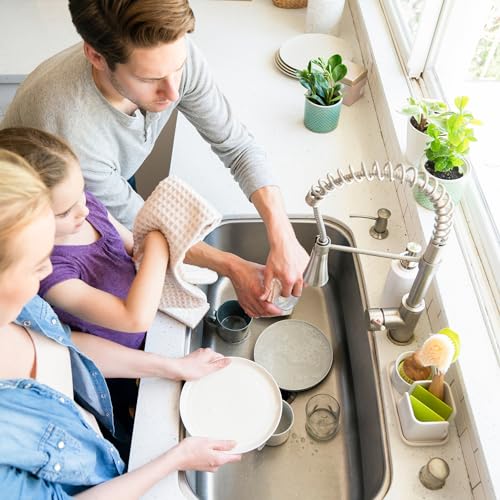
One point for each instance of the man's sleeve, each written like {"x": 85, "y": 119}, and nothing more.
{"x": 208, "y": 110}
{"x": 106, "y": 184}
{"x": 19, "y": 484}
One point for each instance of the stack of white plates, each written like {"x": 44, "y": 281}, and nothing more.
{"x": 295, "y": 53}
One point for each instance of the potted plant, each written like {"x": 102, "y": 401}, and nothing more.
{"x": 323, "y": 98}
{"x": 445, "y": 156}
{"x": 420, "y": 113}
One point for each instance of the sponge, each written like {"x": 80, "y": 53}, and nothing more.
{"x": 411, "y": 369}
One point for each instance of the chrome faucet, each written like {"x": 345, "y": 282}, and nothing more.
{"x": 401, "y": 319}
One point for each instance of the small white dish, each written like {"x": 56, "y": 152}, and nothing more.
{"x": 400, "y": 384}
{"x": 241, "y": 402}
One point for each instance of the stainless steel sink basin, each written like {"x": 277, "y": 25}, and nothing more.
{"x": 355, "y": 463}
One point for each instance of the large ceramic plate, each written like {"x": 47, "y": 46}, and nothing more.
{"x": 296, "y": 353}
{"x": 299, "y": 50}
{"x": 240, "y": 402}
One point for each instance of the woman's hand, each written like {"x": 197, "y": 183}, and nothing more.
{"x": 199, "y": 363}
{"x": 203, "y": 454}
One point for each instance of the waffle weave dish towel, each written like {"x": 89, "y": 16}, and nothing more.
{"x": 184, "y": 218}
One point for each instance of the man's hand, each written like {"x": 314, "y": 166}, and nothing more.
{"x": 287, "y": 259}
{"x": 199, "y": 363}
{"x": 248, "y": 282}
{"x": 286, "y": 262}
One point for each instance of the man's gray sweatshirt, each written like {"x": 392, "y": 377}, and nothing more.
{"x": 60, "y": 97}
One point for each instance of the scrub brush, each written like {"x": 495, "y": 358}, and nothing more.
{"x": 418, "y": 365}
{"x": 440, "y": 350}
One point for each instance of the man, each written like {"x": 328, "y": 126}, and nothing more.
{"x": 111, "y": 98}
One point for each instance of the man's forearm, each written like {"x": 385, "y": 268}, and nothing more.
{"x": 269, "y": 203}
{"x": 204, "y": 255}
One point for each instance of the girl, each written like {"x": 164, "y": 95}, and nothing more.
{"x": 53, "y": 398}
{"x": 94, "y": 287}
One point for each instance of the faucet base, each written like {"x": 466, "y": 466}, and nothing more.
{"x": 397, "y": 342}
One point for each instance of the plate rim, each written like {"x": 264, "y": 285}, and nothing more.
{"x": 311, "y": 36}
{"x": 283, "y": 70}
{"x": 236, "y": 450}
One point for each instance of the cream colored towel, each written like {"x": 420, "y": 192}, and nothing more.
{"x": 185, "y": 218}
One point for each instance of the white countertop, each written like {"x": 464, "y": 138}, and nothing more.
{"x": 271, "y": 105}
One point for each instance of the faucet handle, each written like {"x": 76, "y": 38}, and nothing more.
{"x": 375, "y": 319}
{"x": 379, "y": 230}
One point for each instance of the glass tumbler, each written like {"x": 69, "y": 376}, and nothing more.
{"x": 322, "y": 417}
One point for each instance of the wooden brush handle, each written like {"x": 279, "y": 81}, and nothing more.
{"x": 437, "y": 385}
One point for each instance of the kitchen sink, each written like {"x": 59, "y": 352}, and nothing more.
{"x": 355, "y": 463}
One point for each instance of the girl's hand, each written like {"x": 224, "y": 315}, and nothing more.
{"x": 203, "y": 454}
{"x": 197, "y": 364}
{"x": 154, "y": 241}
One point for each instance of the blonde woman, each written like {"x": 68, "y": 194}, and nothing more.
{"x": 93, "y": 286}
{"x": 53, "y": 397}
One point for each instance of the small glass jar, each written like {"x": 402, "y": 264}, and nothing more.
{"x": 322, "y": 417}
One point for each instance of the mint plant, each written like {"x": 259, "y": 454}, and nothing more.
{"x": 451, "y": 133}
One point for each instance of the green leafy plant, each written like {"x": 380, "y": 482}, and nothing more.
{"x": 322, "y": 80}
{"x": 451, "y": 134}
{"x": 422, "y": 111}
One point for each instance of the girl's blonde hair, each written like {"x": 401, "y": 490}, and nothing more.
{"x": 47, "y": 154}
{"x": 23, "y": 198}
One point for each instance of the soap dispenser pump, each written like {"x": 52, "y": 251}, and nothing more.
{"x": 401, "y": 275}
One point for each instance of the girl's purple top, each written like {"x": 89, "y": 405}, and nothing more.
{"x": 104, "y": 265}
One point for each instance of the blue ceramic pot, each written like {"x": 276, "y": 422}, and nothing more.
{"x": 321, "y": 118}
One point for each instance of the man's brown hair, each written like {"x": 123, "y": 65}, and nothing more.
{"x": 115, "y": 27}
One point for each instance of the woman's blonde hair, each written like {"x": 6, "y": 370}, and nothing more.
{"x": 23, "y": 198}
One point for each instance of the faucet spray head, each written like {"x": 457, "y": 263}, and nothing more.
{"x": 316, "y": 273}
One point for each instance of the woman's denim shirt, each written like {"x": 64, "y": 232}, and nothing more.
{"x": 47, "y": 449}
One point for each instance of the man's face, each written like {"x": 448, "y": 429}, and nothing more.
{"x": 152, "y": 76}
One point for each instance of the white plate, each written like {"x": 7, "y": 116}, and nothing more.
{"x": 299, "y": 50}
{"x": 241, "y": 402}
{"x": 296, "y": 353}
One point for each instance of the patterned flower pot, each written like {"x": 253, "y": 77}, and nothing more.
{"x": 321, "y": 118}
{"x": 455, "y": 187}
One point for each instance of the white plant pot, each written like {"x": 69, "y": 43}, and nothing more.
{"x": 455, "y": 187}
{"x": 416, "y": 142}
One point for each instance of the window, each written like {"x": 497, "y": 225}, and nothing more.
{"x": 453, "y": 47}
{"x": 413, "y": 23}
